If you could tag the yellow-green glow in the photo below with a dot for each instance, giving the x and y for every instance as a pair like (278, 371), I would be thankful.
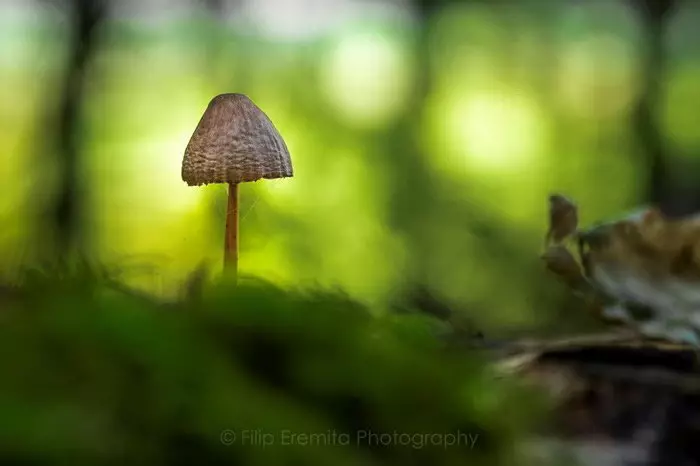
(158, 166)
(486, 136)
(268, 260)
(680, 111)
(596, 76)
(19, 152)
(463, 44)
(489, 131)
(142, 207)
(367, 78)
(338, 216)
(346, 225)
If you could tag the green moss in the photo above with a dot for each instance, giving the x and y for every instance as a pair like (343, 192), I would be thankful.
(94, 376)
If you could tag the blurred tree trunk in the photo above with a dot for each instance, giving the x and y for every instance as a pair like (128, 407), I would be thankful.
(665, 183)
(416, 189)
(413, 186)
(66, 208)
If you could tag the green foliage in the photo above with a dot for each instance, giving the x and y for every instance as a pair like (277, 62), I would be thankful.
(237, 375)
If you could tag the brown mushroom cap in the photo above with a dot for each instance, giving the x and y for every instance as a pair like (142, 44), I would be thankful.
(235, 142)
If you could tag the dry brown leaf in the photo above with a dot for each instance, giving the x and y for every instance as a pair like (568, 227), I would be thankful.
(563, 218)
(561, 262)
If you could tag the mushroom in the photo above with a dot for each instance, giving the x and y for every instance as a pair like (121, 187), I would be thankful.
(234, 142)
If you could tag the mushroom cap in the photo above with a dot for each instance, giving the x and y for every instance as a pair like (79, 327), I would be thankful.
(234, 142)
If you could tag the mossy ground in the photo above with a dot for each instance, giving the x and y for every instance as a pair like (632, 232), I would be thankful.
(252, 374)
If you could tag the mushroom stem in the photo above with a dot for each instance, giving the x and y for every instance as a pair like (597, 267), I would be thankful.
(231, 241)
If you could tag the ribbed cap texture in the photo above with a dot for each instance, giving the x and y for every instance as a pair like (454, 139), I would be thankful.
(235, 142)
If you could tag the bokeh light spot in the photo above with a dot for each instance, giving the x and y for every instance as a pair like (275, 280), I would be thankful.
(160, 167)
(489, 131)
(367, 78)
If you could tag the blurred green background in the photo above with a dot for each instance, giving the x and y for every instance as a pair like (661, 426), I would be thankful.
(425, 137)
